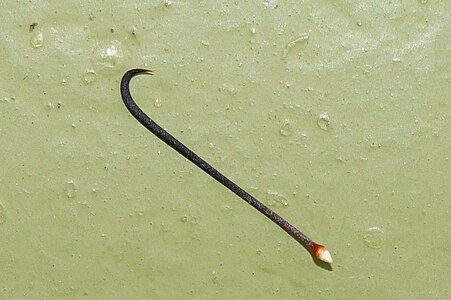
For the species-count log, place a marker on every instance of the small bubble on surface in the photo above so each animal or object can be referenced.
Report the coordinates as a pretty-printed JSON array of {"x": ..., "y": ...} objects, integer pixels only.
[
  {"x": 70, "y": 189},
  {"x": 274, "y": 198},
  {"x": 396, "y": 59},
  {"x": 286, "y": 128},
  {"x": 291, "y": 45},
  {"x": 323, "y": 121},
  {"x": 184, "y": 218},
  {"x": 271, "y": 3},
  {"x": 108, "y": 55},
  {"x": 374, "y": 237},
  {"x": 297, "y": 40},
  {"x": 157, "y": 102},
  {"x": 231, "y": 89},
  {"x": 214, "y": 277},
  {"x": 89, "y": 76},
  {"x": 134, "y": 31},
  {"x": 8, "y": 99},
  {"x": 37, "y": 40},
  {"x": 140, "y": 212}
]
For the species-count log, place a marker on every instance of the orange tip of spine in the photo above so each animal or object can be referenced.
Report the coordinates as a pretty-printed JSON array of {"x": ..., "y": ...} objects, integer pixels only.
[{"x": 321, "y": 253}]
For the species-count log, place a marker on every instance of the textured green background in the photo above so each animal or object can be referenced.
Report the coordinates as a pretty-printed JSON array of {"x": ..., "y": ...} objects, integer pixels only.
[{"x": 334, "y": 113}]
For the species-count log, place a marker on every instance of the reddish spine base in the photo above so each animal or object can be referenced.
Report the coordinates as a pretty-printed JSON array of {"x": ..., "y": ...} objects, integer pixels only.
[{"x": 317, "y": 249}]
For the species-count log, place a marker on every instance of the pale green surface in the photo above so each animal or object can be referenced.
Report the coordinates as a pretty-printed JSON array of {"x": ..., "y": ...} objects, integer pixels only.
[{"x": 340, "y": 111}]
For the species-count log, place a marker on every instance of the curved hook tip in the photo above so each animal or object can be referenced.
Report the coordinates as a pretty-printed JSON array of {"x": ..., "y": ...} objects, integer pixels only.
[
  {"x": 141, "y": 71},
  {"x": 128, "y": 76}
]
